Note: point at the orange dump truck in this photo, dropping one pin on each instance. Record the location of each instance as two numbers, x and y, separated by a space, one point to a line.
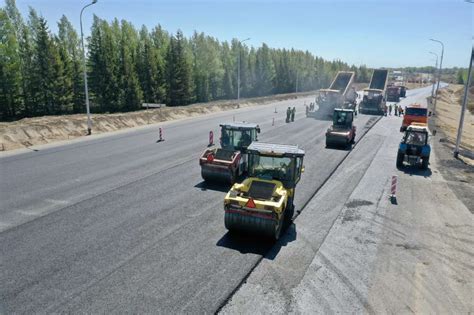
414 113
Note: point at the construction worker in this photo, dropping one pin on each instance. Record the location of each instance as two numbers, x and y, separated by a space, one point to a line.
288 114
396 110
225 139
390 109
400 109
293 112
385 110
245 140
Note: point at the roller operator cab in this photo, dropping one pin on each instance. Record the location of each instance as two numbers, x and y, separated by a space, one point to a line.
414 147
342 132
263 203
229 161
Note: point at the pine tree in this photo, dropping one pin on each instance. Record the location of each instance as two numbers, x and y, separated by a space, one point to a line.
179 72
132 94
264 72
48 73
104 63
228 64
71 56
150 68
10 72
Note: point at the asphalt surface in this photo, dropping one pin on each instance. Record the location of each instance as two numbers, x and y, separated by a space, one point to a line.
125 224
354 251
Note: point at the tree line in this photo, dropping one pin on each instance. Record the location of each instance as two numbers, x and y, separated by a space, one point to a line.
41 73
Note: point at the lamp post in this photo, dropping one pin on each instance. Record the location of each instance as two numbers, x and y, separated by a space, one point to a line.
464 104
296 86
439 72
89 122
464 101
238 68
436 67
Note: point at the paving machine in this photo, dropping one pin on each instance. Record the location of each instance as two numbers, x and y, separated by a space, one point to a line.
263 203
229 161
414 147
373 100
340 94
342 132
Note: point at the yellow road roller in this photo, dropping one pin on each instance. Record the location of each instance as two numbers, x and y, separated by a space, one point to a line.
263 203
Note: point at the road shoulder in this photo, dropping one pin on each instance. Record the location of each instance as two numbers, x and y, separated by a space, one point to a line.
357 252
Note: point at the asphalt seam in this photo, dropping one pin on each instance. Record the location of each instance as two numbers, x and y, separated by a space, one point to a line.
244 279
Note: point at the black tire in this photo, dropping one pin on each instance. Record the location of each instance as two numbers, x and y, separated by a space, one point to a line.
424 162
289 212
400 158
233 177
279 227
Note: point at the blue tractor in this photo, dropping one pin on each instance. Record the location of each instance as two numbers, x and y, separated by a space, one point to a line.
414 147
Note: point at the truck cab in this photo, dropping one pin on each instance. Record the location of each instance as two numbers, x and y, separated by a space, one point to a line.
414 113
393 93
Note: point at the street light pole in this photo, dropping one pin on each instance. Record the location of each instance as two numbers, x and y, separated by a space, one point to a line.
238 68
89 122
439 73
464 104
296 88
436 67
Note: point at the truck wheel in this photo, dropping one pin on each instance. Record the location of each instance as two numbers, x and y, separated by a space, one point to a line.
424 163
400 158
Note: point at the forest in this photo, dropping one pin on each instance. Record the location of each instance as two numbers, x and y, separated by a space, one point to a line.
41 73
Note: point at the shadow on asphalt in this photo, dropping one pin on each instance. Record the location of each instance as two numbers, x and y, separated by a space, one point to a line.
415 170
254 244
339 147
222 187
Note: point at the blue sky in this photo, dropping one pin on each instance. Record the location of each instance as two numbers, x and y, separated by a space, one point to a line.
372 32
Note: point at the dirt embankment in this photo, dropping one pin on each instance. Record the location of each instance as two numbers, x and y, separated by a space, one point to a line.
448 110
412 86
41 130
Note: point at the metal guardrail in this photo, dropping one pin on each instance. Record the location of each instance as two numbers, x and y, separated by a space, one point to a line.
151 105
